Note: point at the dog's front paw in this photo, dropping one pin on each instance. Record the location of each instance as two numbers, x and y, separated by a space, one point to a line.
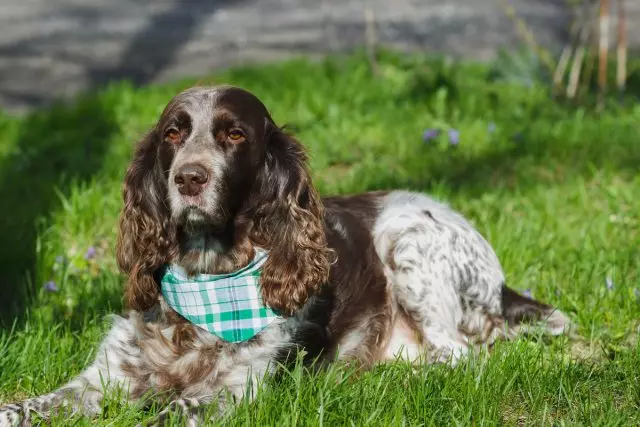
187 409
13 415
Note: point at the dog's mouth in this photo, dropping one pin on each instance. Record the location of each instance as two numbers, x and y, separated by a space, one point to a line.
195 221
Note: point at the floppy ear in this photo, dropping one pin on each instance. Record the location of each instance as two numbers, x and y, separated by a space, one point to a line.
145 235
288 221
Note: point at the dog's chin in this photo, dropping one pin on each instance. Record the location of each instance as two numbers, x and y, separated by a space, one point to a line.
195 221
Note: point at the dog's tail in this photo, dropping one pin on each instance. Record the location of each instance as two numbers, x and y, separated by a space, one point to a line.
524 314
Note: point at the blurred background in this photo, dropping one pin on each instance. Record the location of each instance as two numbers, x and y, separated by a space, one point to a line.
53 49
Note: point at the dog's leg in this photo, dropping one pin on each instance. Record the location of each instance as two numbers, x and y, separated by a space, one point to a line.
84 394
434 309
421 283
191 411
239 370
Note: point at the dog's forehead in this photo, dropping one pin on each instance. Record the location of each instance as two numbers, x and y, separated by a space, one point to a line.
240 102
207 101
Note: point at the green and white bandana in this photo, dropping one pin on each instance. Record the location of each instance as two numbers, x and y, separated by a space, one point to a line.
229 306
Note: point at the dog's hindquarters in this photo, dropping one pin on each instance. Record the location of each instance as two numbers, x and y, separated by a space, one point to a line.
446 279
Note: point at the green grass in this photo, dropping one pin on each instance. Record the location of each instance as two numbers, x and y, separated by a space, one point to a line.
554 188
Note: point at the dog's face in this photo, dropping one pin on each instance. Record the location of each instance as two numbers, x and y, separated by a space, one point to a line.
214 178
214 143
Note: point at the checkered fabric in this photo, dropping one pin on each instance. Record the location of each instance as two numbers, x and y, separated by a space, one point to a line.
227 305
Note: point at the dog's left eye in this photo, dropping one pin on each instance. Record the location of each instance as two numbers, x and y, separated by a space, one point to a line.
236 135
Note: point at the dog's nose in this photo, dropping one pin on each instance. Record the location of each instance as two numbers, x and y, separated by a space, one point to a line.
191 179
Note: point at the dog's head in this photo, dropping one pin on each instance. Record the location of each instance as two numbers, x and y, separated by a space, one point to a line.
213 178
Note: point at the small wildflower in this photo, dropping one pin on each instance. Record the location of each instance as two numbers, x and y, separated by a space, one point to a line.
454 137
91 253
430 134
518 137
558 293
50 286
492 127
609 283
527 293
59 259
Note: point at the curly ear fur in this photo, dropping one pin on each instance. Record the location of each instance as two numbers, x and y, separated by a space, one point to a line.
145 236
288 221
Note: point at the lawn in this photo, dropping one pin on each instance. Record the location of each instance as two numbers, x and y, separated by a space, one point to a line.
554 188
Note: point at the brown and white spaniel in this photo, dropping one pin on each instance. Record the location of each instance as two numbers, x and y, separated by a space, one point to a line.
368 277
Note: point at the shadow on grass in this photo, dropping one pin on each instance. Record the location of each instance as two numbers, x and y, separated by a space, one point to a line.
525 164
540 140
54 148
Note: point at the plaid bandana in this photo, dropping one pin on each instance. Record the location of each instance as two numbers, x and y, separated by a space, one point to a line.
227 305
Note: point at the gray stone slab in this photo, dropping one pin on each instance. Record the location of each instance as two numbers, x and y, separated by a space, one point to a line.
56 48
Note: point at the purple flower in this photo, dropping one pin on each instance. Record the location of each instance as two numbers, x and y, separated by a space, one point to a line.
50 286
492 127
454 137
430 134
91 252
518 137
527 293
609 283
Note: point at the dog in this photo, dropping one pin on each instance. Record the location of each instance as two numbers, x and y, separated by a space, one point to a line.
370 277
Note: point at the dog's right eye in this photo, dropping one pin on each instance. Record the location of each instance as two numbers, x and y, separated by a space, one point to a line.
172 135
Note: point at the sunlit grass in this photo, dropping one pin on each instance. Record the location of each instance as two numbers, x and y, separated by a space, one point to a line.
555 189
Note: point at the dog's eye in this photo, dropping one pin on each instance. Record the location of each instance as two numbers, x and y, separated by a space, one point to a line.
236 135
172 135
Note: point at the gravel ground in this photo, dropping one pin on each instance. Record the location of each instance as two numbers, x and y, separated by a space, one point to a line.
56 48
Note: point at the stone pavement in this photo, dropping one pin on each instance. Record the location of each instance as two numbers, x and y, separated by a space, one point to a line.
56 48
